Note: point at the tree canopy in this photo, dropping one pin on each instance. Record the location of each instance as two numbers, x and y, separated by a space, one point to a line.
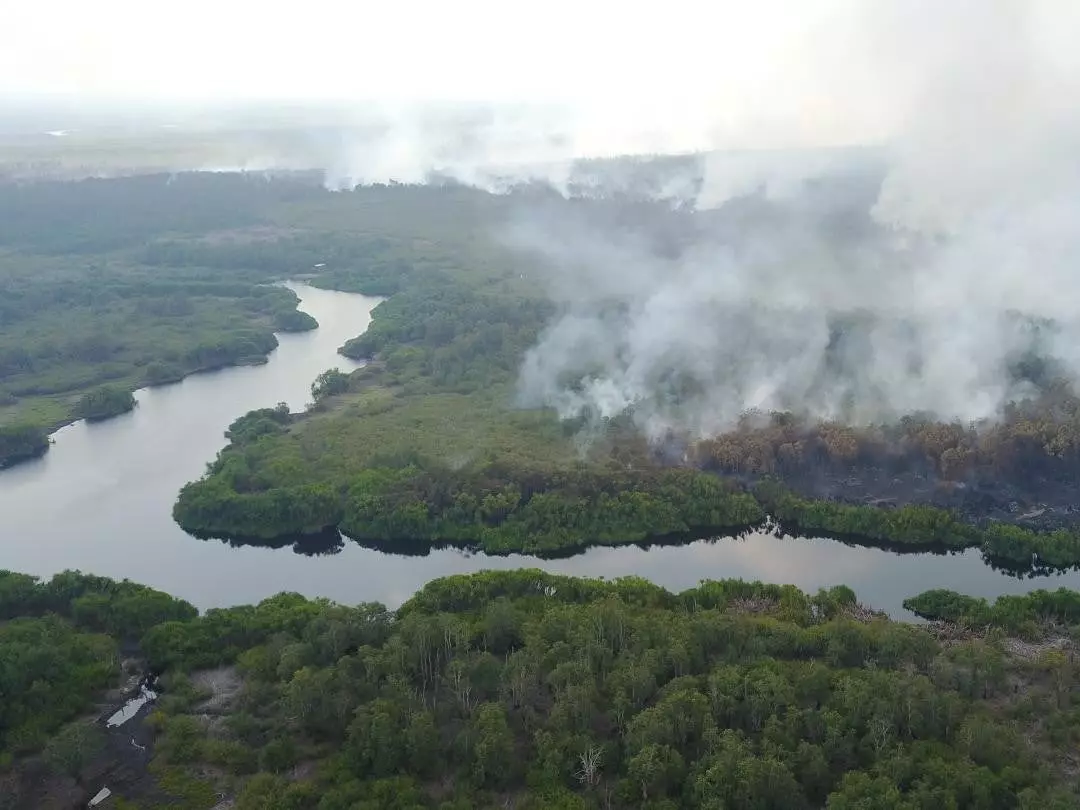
549 691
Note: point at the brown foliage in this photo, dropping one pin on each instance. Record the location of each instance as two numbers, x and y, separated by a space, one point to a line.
1038 434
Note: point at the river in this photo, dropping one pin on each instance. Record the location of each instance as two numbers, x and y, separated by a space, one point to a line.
101 500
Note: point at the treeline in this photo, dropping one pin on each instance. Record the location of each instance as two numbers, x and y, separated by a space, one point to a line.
1027 614
501 507
105 333
531 690
21 442
444 335
495 507
917 525
59 647
100 215
373 265
102 403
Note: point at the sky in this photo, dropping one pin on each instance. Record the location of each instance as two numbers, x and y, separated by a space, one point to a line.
412 48
821 71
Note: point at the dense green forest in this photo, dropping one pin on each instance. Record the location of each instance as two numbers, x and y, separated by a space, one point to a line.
67 331
20 442
141 281
59 646
524 689
87 314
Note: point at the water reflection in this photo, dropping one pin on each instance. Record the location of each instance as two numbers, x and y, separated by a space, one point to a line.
882 577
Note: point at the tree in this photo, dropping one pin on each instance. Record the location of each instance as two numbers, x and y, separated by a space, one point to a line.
861 792
19 442
655 770
493 746
103 402
330 383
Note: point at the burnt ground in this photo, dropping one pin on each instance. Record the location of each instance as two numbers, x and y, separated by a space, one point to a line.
122 765
32 785
1040 503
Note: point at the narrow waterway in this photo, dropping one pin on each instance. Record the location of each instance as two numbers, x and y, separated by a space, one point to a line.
101 500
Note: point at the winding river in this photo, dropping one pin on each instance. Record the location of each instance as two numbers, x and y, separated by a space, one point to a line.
101 499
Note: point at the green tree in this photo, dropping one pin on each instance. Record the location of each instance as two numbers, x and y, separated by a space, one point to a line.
492 746
330 383
103 402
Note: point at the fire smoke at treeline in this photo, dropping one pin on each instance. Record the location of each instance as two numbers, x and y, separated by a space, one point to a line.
935 273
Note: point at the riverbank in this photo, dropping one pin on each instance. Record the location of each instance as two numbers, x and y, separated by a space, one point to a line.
428 444
566 515
122 393
68 333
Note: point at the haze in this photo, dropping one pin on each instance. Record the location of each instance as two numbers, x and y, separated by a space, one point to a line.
681 75
973 103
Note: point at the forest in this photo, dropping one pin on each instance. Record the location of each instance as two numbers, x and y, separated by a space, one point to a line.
524 689
87 314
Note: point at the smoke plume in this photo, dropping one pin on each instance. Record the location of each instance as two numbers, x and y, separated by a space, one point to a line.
939 274
886 223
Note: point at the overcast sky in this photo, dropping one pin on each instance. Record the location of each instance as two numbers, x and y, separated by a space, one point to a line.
798 68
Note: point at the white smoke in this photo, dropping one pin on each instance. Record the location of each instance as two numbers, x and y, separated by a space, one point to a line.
883 289
978 214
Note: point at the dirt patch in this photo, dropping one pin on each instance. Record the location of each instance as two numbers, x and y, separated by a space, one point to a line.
1040 503
948 634
247 236
303 770
223 684
1033 651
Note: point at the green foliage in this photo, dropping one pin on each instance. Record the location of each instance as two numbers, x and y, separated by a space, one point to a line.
258 423
500 510
124 609
330 383
919 525
59 647
49 670
1017 544
1013 613
220 635
578 693
103 402
568 692
20 442
907 525
73 748
294 321
217 508
68 327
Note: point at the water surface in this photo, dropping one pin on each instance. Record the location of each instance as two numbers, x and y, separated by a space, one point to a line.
101 500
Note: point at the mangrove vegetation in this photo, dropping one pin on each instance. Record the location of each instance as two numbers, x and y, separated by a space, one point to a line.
530 690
